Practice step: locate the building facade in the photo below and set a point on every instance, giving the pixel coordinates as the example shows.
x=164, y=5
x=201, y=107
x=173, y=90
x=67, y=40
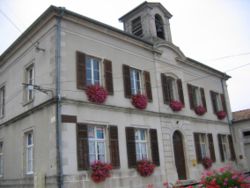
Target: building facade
x=160, y=105
x=241, y=132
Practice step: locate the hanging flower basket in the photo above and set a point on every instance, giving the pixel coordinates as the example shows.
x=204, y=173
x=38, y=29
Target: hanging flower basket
x=200, y=110
x=139, y=101
x=96, y=94
x=176, y=106
x=221, y=114
x=207, y=163
x=145, y=168
x=100, y=171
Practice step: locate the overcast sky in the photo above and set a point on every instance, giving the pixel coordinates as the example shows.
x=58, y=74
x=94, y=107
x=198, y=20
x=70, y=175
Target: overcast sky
x=214, y=32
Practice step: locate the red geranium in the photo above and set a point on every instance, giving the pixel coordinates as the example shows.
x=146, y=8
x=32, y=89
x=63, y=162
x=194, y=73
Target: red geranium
x=100, y=171
x=139, y=101
x=96, y=94
x=221, y=114
x=207, y=162
x=145, y=168
x=200, y=110
x=176, y=105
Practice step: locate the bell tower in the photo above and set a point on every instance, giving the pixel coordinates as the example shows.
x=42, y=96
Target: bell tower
x=149, y=21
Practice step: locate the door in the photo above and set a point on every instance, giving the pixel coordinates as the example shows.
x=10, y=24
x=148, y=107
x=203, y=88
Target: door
x=179, y=155
x=247, y=153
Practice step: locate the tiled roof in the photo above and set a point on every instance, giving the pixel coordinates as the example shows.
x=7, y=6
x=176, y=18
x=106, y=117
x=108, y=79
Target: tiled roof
x=241, y=115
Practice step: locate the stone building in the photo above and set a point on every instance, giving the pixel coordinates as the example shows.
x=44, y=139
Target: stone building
x=51, y=131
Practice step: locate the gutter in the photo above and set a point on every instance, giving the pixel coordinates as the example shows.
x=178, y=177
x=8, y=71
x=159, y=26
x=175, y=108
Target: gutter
x=58, y=99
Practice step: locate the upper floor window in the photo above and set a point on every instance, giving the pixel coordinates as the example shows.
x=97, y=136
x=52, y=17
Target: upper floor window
x=2, y=101
x=1, y=159
x=29, y=144
x=218, y=102
x=137, y=27
x=196, y=97
x=140, y=144
x=29, y=81
x=95, y=142
x=172, y=89
x=92, y=70
x=159, y=26
x=226, y=147
x=136, y=82
x=204, y=146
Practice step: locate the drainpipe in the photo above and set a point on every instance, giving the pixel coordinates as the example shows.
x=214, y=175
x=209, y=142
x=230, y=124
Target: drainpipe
x=58, y=100
x=229, y=122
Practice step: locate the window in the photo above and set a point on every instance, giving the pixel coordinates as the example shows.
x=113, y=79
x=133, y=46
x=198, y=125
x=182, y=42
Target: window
x=135, y=78
x=218, y=102
x=136, y=82
x=97, y=144
x=137, y=27
x=92, y=145
x=138, y=147
x=29, y=152
x=2, y=101
x=204, y=146
x=29, y=81
x=196, y=97
x=159, y=26
x=226, y=147
x=141, y=142
x=92, y=70
x=172, y=89
x=1, y=159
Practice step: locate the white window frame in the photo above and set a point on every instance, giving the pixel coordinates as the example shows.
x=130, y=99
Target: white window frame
x=1, y=159
x=136, y=84
x=225, y=147
x=93, y=80
x=29, y=153
x=96, y=141
x=218, y=103
x=2, y=101
x=29, y=81
x=203, y=139
x=198, y=99
x=140, y=142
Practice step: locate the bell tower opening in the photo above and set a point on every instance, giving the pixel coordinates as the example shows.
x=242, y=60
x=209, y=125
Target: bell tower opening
x=159, y=27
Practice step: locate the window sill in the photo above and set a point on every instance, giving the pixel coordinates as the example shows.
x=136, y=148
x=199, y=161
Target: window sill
x=28, y=102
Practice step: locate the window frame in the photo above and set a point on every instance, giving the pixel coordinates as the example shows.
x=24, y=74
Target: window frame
x=136, y=83
x=2, y=101
x=29, y=153
x=1, y=159
x=96, y=141
x=29, y=80
x=140, y=142
x=92, y=61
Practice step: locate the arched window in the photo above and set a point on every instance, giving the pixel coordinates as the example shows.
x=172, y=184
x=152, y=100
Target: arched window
x=159, y=26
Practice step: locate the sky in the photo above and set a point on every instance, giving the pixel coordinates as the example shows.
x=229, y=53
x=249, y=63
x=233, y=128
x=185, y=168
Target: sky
x=213, y=32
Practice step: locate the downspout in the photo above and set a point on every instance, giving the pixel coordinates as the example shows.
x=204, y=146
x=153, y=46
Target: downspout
x=58, y=100
x=229, y=122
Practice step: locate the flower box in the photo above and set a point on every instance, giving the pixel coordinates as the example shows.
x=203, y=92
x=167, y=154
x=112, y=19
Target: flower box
x=139, y=101
x=221, y=114
x=200, y=110
x=145, y=168
x=96, y=94
x=176, y=105
x=100, y=171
